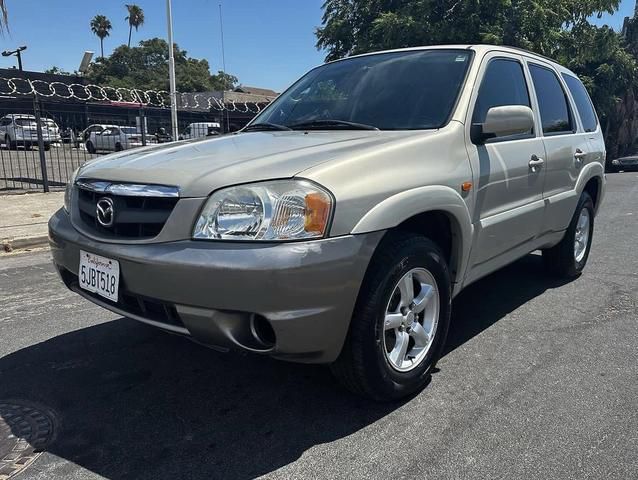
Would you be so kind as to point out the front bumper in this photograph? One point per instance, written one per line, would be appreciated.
(213, 291)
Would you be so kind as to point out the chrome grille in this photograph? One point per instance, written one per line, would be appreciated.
(138, 213)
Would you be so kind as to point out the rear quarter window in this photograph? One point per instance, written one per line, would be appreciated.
(552, 101)
(583, 102)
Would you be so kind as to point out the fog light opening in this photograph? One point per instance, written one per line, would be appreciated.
(262, 331)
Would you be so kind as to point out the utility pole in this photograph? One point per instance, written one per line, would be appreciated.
(171, 71)
(16, 52)
(221, 31)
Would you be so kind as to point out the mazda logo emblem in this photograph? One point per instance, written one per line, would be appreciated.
(105, 212)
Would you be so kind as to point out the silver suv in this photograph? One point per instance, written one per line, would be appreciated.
(339, 224)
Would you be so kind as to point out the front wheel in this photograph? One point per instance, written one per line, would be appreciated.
(90, 147)
(400, 322)
(569, 257)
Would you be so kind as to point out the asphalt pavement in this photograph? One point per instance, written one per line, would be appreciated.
(539, 381)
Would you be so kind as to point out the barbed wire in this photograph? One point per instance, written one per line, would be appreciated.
(148, 98)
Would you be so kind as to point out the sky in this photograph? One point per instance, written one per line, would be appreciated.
(268, 43)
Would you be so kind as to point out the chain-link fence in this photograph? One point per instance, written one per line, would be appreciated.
(47, 130)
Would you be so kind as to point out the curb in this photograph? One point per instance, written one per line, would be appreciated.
(26, 242)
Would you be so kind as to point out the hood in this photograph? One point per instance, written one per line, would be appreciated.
(201, 166)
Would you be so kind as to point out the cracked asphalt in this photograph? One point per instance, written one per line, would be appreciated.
(539, 380)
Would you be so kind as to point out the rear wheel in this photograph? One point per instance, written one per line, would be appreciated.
(569, 257)
(90, 147)
(400, 322)
(118, 147)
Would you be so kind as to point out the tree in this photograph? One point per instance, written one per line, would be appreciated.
(358, 26)
(4, 17)
(135, 19)
(146, 68)
(101, 26)
(223, 81)
(558, 29)
(54, 70)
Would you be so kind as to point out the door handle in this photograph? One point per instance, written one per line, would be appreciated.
(579, 155)
(536, 163)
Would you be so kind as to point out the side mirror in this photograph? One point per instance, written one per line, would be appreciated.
(502, 122)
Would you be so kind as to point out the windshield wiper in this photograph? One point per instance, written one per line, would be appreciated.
(332, 124)
(256, 127)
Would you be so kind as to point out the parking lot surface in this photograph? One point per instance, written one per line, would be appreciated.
(539, 380)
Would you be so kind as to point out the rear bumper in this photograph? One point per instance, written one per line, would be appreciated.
(216, 293)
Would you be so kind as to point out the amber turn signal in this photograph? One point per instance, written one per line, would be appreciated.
(466, 186)
(317, 212)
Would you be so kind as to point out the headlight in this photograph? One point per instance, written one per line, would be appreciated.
(69, 189)
(269, 211)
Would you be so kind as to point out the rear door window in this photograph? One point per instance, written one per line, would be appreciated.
(583, 102)
(552, 101)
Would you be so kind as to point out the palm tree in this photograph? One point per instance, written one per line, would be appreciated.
(4, 18)
(135, 19)
(100, 25)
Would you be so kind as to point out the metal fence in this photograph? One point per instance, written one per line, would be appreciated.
(44, 138)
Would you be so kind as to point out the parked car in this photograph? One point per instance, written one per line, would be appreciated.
(625, 163)
(84, 135)
(200, 129)
(339, 224)
(22, 130)
(115, 139)
(52, 130)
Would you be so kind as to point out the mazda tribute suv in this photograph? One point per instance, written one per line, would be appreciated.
(339, 224)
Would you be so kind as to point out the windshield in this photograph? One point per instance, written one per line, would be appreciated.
(389, 91)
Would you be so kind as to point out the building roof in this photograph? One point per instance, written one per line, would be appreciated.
(265, 92)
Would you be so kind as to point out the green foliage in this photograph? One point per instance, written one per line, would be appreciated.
(597, 55)
(57, 71)
(146, 67)
(556, 28)
(357, 26)
(135, 19)
(223, 81)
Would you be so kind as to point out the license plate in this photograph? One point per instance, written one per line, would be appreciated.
(99, 275)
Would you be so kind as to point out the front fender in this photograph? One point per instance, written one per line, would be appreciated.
(396, 209)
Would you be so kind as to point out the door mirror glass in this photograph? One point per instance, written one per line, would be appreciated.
(505, 121)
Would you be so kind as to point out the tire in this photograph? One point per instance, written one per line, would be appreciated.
(364, 366)
(10, 145)
(47, 147)
(562, 260)
(118, 147)
(89, 147)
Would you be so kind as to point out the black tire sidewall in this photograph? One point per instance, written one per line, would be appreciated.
(585, 201)
(415, 253)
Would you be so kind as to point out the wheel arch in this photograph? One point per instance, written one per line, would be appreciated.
(437, 212)
(591, 181)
